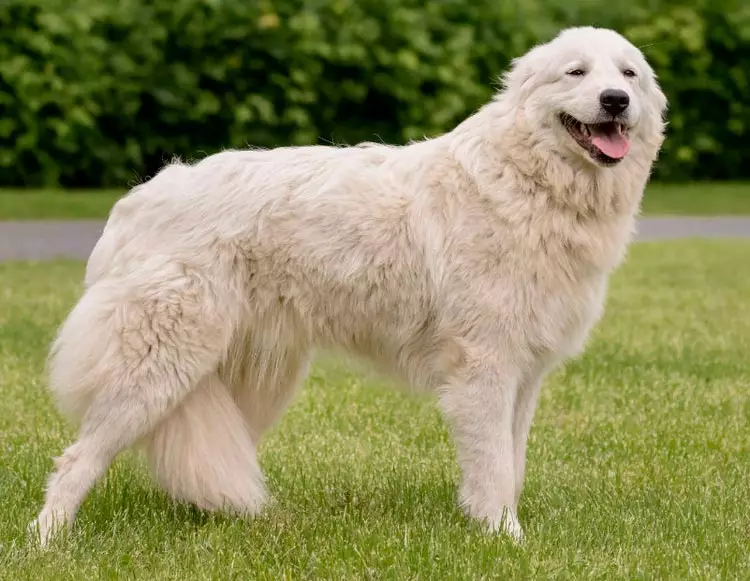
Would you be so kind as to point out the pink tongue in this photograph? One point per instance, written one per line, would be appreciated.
(614, 145)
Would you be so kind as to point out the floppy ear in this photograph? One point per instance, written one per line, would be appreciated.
(517, 78)
(661, 100)
(654, 121)
(520, 76)
(517, 74)
(658, 101)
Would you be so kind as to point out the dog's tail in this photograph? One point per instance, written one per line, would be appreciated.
(202, 453)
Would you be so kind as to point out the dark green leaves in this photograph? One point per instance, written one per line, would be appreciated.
(95, 93)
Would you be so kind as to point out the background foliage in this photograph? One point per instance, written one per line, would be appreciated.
(99, 93)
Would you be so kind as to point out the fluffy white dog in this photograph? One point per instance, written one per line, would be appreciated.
(469, 264)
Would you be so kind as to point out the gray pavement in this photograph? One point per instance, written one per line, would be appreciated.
(45, 240)
(667, 228)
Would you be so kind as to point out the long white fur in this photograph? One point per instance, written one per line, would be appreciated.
(469, 264)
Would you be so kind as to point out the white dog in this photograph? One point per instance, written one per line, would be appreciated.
(469, 264)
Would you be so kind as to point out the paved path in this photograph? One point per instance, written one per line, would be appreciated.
(684, 227)
(44, 240)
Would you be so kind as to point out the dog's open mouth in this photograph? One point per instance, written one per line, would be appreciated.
(608, 143)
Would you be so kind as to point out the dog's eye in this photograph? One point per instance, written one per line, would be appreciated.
(628, 72)
(577, 73)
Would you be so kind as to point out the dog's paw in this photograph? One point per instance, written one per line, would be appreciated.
(46, 527)
(508, 524)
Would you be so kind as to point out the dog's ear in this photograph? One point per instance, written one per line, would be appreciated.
(516, 75)
(521, 73)
(658, 100)
(661, 99)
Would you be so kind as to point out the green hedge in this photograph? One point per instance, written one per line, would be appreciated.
(97, 93)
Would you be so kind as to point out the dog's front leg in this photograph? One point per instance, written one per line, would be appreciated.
(480, 409)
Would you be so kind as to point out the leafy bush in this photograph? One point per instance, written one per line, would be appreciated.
(102, 93)
(701, 52)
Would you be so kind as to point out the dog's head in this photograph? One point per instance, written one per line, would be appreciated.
(590, 93)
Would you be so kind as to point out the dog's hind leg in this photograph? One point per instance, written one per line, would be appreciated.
(202, 453)
(126, 357)
(268, 386)
(265, 367)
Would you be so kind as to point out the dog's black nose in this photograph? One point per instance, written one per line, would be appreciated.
(614, 101)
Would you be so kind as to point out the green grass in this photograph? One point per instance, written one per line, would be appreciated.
(639, 460)
(56, 204)
(699, 199)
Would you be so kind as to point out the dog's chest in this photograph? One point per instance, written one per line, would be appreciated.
(561, 285)
(540, 297)
(562, 313)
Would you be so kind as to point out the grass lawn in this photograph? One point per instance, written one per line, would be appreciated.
(639, 459)
(699, 199)
(56, 204)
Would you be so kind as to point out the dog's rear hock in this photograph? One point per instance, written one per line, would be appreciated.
(125, 364)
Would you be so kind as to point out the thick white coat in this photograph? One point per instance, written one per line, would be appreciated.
(468, 264)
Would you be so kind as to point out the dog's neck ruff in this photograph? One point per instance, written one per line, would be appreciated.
(496, 145)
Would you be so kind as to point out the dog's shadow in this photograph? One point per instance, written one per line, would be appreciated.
(137, 507)
(128, 503)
